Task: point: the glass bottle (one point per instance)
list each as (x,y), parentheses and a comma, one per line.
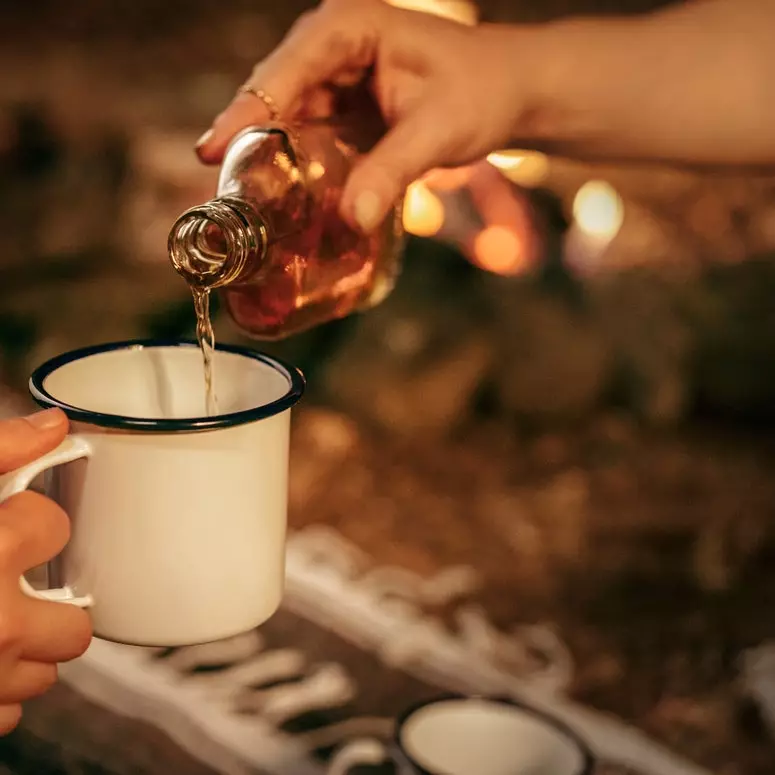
(272,240)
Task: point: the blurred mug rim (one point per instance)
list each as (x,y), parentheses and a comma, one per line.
(587,759)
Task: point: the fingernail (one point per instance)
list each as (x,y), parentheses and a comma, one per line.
(367,210)
(204,139)
(50,418)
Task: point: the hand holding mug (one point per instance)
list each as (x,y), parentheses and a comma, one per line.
(34,634)
(178,517)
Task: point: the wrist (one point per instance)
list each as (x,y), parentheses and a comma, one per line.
(561,80)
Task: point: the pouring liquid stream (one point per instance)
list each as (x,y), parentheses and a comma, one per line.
(206,339)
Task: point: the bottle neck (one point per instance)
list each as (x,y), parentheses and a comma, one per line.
(218,243)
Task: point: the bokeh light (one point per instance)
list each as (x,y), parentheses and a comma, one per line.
(500,250)
(598,209)
(316,170)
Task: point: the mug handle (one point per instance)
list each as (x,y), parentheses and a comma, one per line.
(366,750)
(74,447)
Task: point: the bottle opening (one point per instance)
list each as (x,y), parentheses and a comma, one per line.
(210,245)
(208,249)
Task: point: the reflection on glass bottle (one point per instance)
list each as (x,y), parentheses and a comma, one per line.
(272,240)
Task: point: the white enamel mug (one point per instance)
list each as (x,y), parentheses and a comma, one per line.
(178,519)
(459,735)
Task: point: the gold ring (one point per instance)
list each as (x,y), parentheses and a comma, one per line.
(267,99)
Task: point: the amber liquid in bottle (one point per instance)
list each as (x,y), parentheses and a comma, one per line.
(273,242)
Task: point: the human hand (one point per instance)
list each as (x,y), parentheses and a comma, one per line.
(34,634)
(449,93)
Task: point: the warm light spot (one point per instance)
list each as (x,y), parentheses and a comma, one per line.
(598,209)
(423,213)
(525,168)
(283,162)
(316,170)
(500,250)
(462,11)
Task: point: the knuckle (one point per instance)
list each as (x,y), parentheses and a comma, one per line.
(382,176)
(11,632)
(77,635)
(49,518)
(48,677)
(10,716)
(340,24)
(307,19)
(344,35)
(43,505)
(21,443)
(338,39)
(11,542)
(15,442)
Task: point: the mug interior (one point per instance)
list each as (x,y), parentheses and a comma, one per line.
(463,736)
(162,383)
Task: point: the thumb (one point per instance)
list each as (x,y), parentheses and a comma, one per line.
(409,150)
(24,439)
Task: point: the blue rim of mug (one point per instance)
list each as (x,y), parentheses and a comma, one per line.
(587,758)
(296,386)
